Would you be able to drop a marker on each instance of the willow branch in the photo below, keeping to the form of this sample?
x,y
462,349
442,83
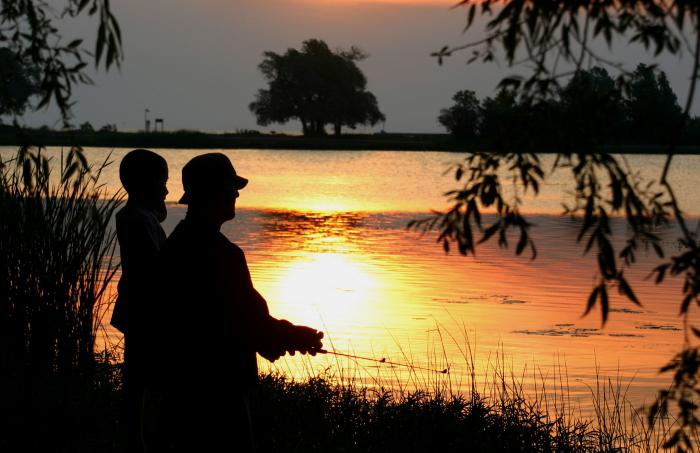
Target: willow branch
x,y
674,142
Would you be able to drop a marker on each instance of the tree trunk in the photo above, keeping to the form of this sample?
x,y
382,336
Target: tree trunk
x,y
337,127
319,129
304,127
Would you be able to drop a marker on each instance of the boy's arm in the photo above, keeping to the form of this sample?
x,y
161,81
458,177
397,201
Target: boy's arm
x,y
139,248
139,243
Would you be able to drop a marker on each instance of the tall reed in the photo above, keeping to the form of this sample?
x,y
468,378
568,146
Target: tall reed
x,y
56,264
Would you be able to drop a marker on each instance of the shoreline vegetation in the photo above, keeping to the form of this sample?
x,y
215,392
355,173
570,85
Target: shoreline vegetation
x,y
329,413
187,139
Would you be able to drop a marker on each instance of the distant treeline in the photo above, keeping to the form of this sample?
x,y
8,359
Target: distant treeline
x,y
591,110
251,139
244,139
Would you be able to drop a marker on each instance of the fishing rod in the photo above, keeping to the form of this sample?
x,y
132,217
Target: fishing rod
x,y
383,360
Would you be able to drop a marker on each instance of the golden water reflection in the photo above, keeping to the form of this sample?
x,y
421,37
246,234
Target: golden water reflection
x,y
379,291
328,288
325,237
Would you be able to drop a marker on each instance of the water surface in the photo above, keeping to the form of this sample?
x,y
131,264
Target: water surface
x,y
325,237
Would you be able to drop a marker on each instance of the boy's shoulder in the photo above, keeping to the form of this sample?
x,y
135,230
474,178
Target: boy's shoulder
x,y
131,213
131,216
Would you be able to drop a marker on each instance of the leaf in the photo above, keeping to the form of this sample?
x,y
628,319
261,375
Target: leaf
x,y
627,290
521,243
592,300
696,331
605,308
490,231
99,43
588,219
686,303
75,43
673,440
660,272
470,16
69,171
477,214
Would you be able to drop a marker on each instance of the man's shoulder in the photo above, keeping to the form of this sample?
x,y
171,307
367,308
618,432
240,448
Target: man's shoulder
x,y
229,247
187,235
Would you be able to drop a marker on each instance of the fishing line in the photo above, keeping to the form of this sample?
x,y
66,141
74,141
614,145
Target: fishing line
x,y
383,360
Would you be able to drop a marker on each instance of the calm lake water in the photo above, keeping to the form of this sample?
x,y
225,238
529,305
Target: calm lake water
x,y
325,236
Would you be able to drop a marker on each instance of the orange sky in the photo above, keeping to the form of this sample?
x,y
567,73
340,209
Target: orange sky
x,y
376,2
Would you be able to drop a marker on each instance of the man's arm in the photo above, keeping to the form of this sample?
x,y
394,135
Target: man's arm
x,y
272,337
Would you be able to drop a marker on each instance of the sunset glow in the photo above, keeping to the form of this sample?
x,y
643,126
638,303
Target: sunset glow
x,y
381,2
331,287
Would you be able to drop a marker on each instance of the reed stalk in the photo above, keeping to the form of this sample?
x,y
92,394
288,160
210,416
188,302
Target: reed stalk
x,y
56,265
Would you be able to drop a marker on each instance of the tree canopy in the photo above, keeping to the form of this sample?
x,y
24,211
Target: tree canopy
x,y
462,119
317,87
19,81
592,109
28,30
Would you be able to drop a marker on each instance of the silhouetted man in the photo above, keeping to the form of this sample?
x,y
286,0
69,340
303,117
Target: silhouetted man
x,y
144,175
209,321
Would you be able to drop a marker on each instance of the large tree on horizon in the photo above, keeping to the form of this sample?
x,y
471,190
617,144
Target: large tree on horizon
x,y
462,119
317,87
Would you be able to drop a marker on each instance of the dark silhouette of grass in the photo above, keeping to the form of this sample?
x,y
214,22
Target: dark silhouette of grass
x,y
56,252
322,414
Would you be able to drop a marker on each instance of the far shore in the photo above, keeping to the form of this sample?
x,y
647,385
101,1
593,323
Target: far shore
x,y
11,136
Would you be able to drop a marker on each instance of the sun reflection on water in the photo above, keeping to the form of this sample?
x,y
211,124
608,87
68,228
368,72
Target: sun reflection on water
x,y
334,288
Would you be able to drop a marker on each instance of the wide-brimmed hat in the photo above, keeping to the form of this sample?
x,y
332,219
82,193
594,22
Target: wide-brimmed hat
x,y
207,174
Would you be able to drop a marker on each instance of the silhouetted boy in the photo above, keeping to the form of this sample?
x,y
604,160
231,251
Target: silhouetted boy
x,y
144,175
210,321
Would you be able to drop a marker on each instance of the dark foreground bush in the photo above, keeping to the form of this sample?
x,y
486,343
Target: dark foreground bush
x,y
318,416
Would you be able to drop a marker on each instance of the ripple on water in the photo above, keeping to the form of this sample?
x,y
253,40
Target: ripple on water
x,y
450,300
560,331
657,327
625,310
512,302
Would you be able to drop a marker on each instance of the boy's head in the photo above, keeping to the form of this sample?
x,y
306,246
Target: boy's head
x,y
144,175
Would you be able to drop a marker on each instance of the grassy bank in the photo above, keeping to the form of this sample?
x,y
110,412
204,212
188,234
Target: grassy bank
x,y
10,136
326,415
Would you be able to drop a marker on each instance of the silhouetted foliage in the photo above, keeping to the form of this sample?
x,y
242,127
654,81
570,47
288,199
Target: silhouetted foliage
x,y
317,87
462,119
19,81
28,30
589,111
651,106
87,127
554,39
502,119
56,263
592,109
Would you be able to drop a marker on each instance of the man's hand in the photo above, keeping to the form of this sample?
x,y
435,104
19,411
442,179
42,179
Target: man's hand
x,y
272,354
305,340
